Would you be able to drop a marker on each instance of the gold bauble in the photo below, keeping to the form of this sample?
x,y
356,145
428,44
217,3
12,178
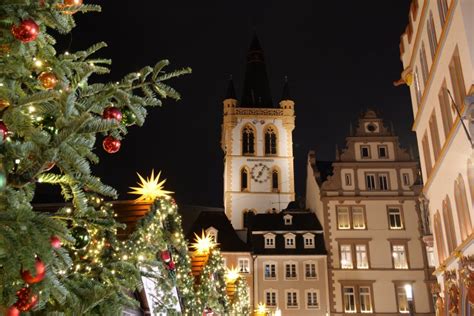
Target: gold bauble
x,y
68,4
4,104
48,80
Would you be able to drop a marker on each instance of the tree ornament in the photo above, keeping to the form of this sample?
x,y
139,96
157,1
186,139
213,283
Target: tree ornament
x,y
4,49
128,117
69,4
111,144
26,32
40,273
112,113
82,237
13,311
4,104
55,242
166,256
3,130
171,265
48,166
26,300
48,80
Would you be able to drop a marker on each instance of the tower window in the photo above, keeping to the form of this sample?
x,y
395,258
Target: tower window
x,y
275,186
365,151
244,179
270,141
248,140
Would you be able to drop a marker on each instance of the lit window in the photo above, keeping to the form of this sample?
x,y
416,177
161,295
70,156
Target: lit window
x,y
416,82
370,181
212,232
290,241
361,257
432,35
310,270
430,256
308,240
424,64
288,219
248,138
312,299
291,299
244,265
365,151
270,271
402,300
244,179
275,182
346,257
399,257
383,152
349,299
358,218
290,271
383,182
343,218
270,141
395,218
365,299
443,10
269,241
270,298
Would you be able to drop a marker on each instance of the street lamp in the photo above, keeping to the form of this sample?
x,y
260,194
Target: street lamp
x,y
409,294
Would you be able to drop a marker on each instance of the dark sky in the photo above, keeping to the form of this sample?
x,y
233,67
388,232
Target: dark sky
x,y
340,57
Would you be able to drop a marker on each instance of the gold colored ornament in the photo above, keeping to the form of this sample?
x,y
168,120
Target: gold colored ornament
x,y
69,4
409,79
4,104
4,49
204,244
48,80
150,189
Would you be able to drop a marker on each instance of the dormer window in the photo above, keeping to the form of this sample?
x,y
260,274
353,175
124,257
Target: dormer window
x,y
308,240
290,241
212,232
269,240
288,219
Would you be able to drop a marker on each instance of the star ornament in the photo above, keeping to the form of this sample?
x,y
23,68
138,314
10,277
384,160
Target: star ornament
x,y
150,188
204,244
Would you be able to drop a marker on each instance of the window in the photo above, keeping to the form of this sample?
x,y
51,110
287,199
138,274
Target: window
x,y
271,298
460,198
244,179
212,232
290,241
430,256
275,182
432,35
312,299
270,271
358,217
248,139
346,257
402,300
445,106
449,224
399,257
290,271
434,135
349,299
383,151
288,219
348,179
365,299
269,241
244,265
270,141
310,270
365,151
424,64
292,299
457,79
383,182
416,82
343,220
370,181
443,10
395,218
426,154
439,237
361,257
308,240
406,178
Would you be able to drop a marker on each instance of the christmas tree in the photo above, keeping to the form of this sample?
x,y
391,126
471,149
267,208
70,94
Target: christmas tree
x,y
50,119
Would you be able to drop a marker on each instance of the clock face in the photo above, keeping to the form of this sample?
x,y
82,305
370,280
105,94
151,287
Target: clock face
x,y
260,173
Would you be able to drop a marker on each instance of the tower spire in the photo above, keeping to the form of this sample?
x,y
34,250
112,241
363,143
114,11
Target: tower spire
x,y
230,94
286,90
256,93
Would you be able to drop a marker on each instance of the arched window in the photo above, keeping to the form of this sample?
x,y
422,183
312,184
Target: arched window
x,y
244,179
438,232
470,178
275,181
270,141
462,207
448,225
248,140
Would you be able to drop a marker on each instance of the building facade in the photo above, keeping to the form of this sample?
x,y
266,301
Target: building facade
x,y
372,225
437,52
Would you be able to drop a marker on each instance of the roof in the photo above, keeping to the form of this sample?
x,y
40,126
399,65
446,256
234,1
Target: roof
x,y
258,245
286,90
227,238
230,94
301,220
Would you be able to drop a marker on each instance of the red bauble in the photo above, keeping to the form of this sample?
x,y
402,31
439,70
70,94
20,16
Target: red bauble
x,y
26,301
26,32
166,256
13,311
55,242
3,130
40,268
111,144
171,265
112,113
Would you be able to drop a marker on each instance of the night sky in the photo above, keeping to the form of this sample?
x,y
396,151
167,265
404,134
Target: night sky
x,y
341,57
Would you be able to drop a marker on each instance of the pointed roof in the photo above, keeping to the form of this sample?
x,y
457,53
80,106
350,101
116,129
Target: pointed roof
x,y
230,94
256,93
286,90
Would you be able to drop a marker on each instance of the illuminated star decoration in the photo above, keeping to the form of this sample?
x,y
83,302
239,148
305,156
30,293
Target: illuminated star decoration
x,y
232,274
150,189
204,244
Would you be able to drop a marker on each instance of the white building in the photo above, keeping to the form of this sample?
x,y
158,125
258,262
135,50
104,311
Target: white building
x,y
371,220
437,52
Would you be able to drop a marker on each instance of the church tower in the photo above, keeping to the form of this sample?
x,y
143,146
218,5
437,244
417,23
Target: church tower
x,y
258,145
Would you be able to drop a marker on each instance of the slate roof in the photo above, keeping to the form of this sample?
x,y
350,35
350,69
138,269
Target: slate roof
x,y
227,238
302,220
